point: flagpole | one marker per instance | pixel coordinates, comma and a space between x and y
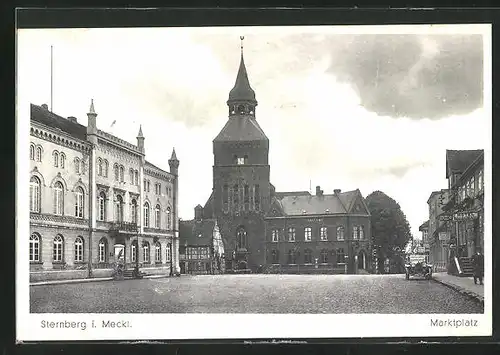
51, 77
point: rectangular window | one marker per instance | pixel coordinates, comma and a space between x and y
291, 234
361, 232
275, 256
307, 234
146, 254
145, 185
340, 256
148, 185
257, 197
159, 189
355, 234
275, 235
158, 254
133, 250
323, 233
79, 252
168, 253
241, 161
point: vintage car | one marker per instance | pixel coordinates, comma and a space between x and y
416, 265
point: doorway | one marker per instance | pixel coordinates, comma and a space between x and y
119, 254
361, 260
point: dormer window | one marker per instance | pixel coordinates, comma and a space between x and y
240, 161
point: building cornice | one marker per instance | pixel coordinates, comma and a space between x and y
59, 137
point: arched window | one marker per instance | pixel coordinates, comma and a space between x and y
79, 202
62, 160
58, 198
361, 232
99, 167
145, 250
292, 257
340, 256
340, 233
257, 197
119, 208
101, 216
103, 250
77, 165
39, 154
324, 256
58, 249
133, 211
82, 167
34, 194
35, 247
169, 218
307, 256
225, 198
241, 238
131, 176
117, 172
122, 173
236, 197
136, 177
355, 234
56, 159
106, 168
32, 152
157, 216
133, 251
79, 249
158, 252
146, 214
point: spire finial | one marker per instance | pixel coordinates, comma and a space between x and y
91, 109
140, 135
241, 45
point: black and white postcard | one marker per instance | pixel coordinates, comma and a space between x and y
254, 182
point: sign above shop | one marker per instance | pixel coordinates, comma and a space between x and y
444, 235
465, 216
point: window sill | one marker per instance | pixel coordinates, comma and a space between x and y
80, 262
36, 262
62, 263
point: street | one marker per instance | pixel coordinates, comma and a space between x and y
254, 294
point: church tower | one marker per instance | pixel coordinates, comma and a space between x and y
241, 186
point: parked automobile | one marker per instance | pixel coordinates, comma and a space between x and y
416, 265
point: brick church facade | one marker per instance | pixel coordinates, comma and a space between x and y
266, 231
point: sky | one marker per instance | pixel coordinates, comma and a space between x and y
343, 107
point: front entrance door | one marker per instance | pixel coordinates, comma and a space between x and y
361, 261
120, 254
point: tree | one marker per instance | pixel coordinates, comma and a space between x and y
390, 228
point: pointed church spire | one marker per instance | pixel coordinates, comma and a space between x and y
174, 156
174, 163
242, 95
140, 135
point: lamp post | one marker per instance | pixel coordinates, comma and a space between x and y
170, 253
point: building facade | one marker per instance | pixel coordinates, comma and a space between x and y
202, 250
438, 235
95, 201
248, 209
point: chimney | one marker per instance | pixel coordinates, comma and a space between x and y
319, 192
336, 191
45, 106
72, 119
198, 213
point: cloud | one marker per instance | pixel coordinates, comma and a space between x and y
413, 76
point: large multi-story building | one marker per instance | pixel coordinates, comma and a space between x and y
296, 231
95, 200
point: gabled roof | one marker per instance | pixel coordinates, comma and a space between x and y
50, 119
479, 160
325, 204
241, 129
208, 208
280, 195
457, 161
196, 233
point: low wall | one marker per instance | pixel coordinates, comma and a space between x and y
52, 275
161, 270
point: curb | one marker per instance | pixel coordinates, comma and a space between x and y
74, 281
461, 290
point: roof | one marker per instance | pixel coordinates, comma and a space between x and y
312, 204
424, 226
457, 161
474, 164
154, 166
208, 208
280, 195
242, 91
44, 116
241, 129
190, 231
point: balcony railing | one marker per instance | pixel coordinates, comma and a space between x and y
130, 227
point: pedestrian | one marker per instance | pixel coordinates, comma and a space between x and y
478, 264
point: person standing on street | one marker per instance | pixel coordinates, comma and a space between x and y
478, 263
